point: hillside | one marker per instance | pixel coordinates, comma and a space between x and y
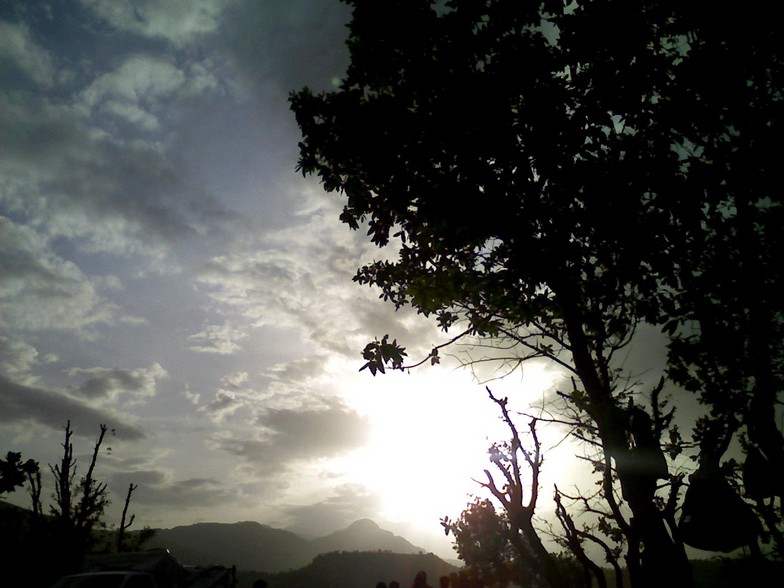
355, 570
252, 546
247, 545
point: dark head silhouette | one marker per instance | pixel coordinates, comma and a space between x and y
420, 580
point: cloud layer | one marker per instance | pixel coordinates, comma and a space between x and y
164, 270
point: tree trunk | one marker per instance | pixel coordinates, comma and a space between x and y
662, 561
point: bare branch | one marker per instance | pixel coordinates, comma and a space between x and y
123, 525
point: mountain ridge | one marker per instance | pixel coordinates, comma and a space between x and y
250, 545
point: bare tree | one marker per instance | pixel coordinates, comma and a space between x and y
123, 525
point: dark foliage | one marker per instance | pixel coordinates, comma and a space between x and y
49, 543
553, 177
14, 472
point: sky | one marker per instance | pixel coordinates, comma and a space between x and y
166, 271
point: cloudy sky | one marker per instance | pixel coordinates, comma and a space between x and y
164, 270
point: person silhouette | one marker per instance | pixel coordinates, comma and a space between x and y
443, 582
394, 584
420, 580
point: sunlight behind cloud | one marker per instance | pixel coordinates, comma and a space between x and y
430, 433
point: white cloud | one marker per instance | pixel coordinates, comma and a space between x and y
192, 397
39, 290
65, 180
237, 399
223, 405
299, 277
178, 22
219, 339
200, 79
236, 381
136, 90
16, 357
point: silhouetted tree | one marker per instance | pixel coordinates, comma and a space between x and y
78, 505
552, 176
69, 528
518, 495
14, 522
14, 472
124, 526
490, 547
482, 541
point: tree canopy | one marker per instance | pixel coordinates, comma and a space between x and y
555, 176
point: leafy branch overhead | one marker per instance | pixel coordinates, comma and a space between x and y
381, 353
378, 354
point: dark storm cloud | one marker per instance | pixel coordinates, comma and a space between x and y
155, 488
327, 430
118, 384
32, 404
21, 59
292, 42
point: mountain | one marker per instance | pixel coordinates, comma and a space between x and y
364, 535
247, 545
253, 546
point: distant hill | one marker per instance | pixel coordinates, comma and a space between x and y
358, 569
364, 535
253, 546
247, 545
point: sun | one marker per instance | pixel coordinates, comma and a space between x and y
430, 432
